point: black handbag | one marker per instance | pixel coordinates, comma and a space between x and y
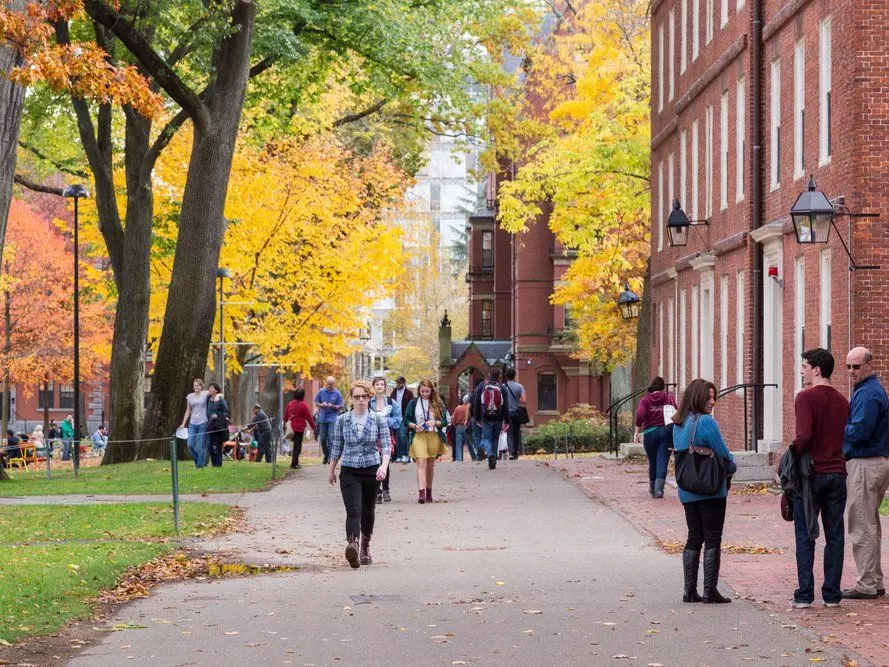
520, 414
699, 469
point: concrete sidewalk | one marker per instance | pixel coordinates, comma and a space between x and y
513, 566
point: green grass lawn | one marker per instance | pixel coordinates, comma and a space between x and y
57, 558
884, 507
143, 477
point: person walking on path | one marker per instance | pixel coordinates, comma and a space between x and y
651, 428
261, 427
821, 415
460, 420
298, 414
360, 438
704, 514
402, 396
866, 448
196, 419
329, 401
490, 412
426, 420
515, 399
67, 427
385, 407
217, 428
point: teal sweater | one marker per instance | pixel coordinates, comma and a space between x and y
707, 435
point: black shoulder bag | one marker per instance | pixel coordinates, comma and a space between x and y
699, 469
520, 414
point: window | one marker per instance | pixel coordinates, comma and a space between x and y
683, 37
671, 53
671, 340
487, 318
671, 180
824, 85
694, 170
723, 331
660, 68
707, 321
547, 395
739, 330
775, 120
695, 29
660, 341
568, 316
695, 340
723, 13
799, 334
740, 6
682, 168
46, 396
66, 397
487, 250
740, 138
723, 152
708, 163
660, 205
682, 339
826, 337
435, 196
708, 22
799, 109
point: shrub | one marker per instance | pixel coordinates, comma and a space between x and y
583, 435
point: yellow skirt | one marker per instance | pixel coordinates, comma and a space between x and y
427, 445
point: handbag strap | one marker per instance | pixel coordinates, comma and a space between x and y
694, 432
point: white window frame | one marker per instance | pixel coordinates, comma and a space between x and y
799, 108
799, 316
671, 53
723, 13
826, 296
695, 332
740, 303
723, 152
695, 29
660, 68
740, 6
825, 75
683, 340
695, 173
707, 327
708, 22
740, 138
775, 125
723, 331
671, 181
660, 205
683, 37
683, 156
660, 340
708, 163
671, 336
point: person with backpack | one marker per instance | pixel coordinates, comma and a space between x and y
651, 428
490, 411
426, 420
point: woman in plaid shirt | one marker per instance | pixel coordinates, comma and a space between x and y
361, 439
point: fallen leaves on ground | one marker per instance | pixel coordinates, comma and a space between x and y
738, 549
754, 489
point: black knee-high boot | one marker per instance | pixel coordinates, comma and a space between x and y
690, 562
712, 559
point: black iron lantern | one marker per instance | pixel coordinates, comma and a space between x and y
812, 215
678, 225
629, 303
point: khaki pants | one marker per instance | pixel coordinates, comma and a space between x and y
866, 486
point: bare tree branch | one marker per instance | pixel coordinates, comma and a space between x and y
351, 118
37, 187
60, 166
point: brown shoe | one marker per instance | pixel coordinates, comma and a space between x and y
352, 552
428, 495
364, 555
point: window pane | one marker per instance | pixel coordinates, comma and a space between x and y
546, 393
66, 397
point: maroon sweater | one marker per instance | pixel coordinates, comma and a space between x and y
821, 416
650, 412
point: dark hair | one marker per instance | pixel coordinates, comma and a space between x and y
9, 432
401, 379
299, 394
216, 387
510, 373
694, 400
377, 379
657, 384
494, 374
820, 358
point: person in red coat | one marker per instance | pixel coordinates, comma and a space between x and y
298, 414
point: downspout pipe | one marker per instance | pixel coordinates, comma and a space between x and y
757, 216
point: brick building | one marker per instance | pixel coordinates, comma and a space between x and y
743, 299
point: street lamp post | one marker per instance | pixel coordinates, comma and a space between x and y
76, 192
222, 274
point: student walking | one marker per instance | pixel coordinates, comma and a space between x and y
217, 423
360, 438
460, 420
704, 514
651, 428
821, 415
490, 412
329, 401
866, 448
515, 400
426, 420
261, 428
298, 414
402, 395
387, 408
195, 418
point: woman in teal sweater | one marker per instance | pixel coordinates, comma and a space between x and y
704, 514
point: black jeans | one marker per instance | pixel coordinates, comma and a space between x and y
705, 519
829, 496
514, 437
297, 448
264, 446
216, 438
359, 489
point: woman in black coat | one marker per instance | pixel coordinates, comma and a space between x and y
217, 424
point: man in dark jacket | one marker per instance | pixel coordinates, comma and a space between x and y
492, 414
261, 427
866, 448
402, 396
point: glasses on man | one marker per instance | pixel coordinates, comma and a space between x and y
360, 397
855, 367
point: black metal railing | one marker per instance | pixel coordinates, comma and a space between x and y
744, 387
613, 411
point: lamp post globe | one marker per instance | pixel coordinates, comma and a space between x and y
812, 215
629, 303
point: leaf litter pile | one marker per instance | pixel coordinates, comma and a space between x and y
738, 549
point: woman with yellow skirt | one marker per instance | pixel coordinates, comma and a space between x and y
426, 420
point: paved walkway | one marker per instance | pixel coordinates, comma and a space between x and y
514, 566
753, 524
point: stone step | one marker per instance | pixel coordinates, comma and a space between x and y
751, 459
631, 449
754, 474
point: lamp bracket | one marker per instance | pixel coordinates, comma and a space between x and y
852, 265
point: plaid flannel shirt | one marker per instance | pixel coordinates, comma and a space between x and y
359, 450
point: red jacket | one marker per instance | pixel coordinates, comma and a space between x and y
650, 412
298, 414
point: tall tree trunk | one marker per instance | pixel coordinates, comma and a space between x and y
188, 321
12, 97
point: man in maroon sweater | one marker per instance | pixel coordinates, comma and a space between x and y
821, 415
